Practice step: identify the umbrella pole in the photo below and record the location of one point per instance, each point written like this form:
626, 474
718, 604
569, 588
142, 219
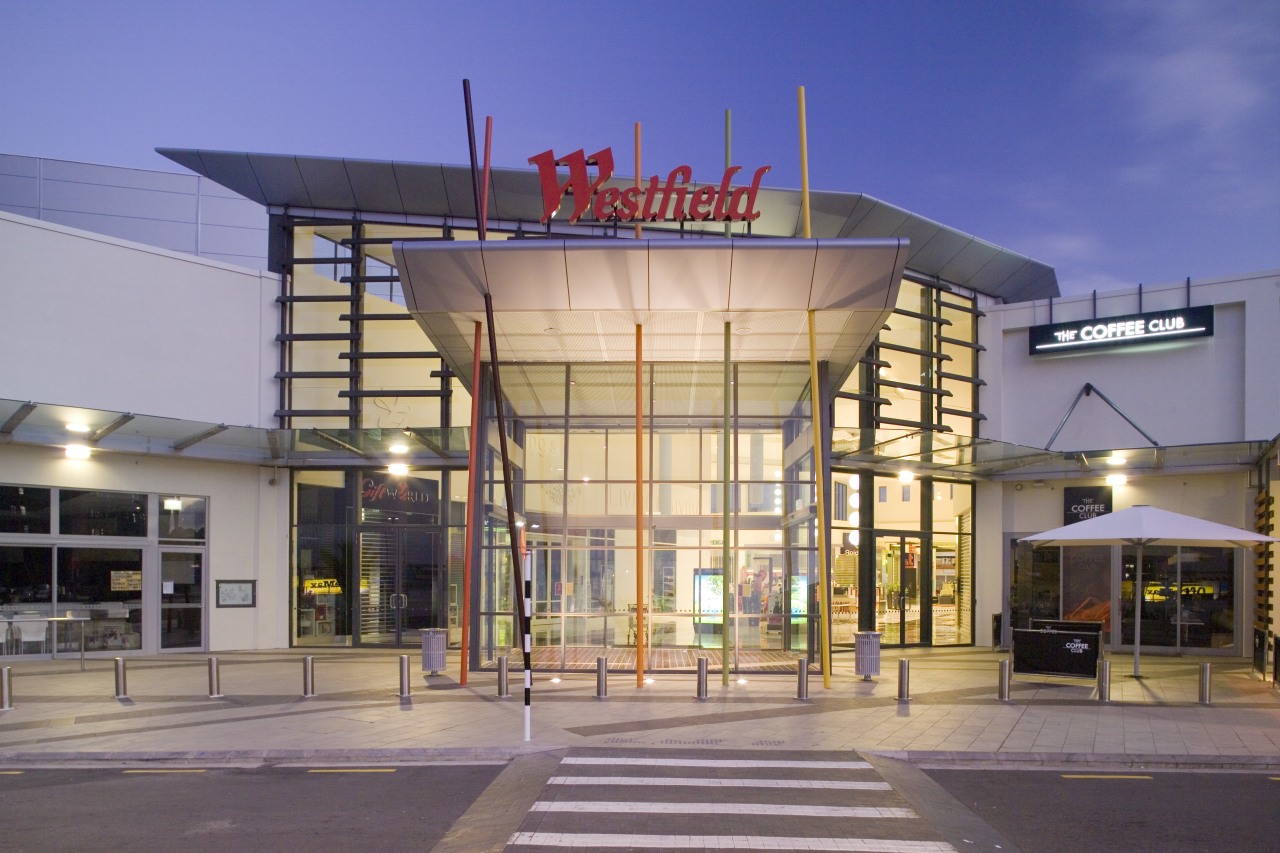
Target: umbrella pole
1137, 616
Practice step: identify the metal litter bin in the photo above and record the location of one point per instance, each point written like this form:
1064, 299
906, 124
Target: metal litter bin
866, 654
434, 643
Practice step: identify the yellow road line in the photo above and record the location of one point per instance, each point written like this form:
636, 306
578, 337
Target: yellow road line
11, 772
1102, 776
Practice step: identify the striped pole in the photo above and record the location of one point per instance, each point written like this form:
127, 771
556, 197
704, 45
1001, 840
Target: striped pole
528, 649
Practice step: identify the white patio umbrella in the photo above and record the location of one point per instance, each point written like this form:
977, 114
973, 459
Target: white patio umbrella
1144, 525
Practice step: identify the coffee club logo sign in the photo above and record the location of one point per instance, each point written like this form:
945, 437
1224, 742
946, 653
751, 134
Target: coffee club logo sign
672, 200
1151, 327
1084, 502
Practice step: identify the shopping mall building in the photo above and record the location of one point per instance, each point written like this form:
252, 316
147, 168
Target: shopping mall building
250, 405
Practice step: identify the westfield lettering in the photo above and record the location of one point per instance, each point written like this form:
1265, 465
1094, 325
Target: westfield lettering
673, 200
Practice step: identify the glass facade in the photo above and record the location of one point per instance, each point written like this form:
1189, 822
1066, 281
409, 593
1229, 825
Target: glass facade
129, 565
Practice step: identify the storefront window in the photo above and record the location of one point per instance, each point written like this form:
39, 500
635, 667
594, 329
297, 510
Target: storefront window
1188, 597
182, 518
87, 513
24, 509
104, 584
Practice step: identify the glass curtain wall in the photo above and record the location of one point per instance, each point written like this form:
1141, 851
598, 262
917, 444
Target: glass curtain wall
573, 444
907, 537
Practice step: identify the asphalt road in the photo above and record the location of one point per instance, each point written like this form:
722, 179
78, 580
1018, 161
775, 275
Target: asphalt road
304, 809
1044, 811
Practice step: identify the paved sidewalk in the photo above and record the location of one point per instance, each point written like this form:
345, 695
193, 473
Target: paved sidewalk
63, 715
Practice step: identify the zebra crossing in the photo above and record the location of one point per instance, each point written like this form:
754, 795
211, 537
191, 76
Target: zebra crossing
664, 800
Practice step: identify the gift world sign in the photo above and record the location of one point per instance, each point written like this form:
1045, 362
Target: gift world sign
1130, 329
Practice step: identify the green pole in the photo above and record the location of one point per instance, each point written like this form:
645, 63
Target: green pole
727, 569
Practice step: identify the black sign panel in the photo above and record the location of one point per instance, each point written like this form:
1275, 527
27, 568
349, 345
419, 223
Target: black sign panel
1083, 502
1070, 653
402, 498
1146, 328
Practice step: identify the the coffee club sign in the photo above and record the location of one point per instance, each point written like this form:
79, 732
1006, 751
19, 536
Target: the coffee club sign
1151, 327
672, 200
1080, 503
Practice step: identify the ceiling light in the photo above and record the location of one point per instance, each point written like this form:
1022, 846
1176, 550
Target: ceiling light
905, 476
534, 526
399, 448
77, 451
397, 469
1116, 479
173, 504
853, 537
551, 330
855, 481
77, 427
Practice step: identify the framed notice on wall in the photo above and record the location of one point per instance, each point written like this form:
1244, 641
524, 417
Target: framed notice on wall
237, 593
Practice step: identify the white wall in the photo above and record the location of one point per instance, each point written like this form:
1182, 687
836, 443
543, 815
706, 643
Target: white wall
94, 322
1203, 391
247, 526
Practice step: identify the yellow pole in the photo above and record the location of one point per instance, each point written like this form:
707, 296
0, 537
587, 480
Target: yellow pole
819, 476
804, 169
640, 596
728, 157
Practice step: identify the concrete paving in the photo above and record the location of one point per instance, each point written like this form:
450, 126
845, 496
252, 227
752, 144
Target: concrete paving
63, 715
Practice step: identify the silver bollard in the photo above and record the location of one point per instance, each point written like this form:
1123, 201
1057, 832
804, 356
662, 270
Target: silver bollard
504, 690
1206, 684
6, 689
702, 679
1104, 681
308, 677
122, 684
602, 677
215, 681
1003, 689
802, 678
904, 680
404, 677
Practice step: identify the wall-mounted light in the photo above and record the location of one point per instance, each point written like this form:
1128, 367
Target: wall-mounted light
78, 451
397, 469
1116, 459
1116, 479
81, 428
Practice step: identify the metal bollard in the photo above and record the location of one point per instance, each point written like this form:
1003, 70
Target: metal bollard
308, 677
504, 689
1206, 684
122, 684
1003, 689
602, 677
802, 678
404, 677
215, 682
6, 689
1104, 681
702, 679
904, 680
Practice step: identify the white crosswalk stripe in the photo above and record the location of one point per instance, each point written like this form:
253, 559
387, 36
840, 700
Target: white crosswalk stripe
634, 800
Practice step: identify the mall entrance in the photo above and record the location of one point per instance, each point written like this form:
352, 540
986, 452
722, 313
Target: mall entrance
403, 584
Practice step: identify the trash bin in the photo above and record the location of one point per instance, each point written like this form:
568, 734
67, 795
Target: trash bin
434, 643
866, 654
997, 630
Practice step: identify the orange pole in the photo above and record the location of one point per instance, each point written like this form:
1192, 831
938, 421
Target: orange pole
640, 597
637, 172
468, 559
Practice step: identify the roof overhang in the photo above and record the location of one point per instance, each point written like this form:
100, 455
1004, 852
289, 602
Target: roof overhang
580, 301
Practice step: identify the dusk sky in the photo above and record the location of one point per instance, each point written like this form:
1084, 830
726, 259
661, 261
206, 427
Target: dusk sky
1120, 141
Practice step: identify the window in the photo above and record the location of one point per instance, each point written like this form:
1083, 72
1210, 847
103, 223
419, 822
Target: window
884, 494
24, 509
85, 513
906, 494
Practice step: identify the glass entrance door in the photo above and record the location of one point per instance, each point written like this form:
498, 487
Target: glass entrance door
403, 585
181, 599
898, 589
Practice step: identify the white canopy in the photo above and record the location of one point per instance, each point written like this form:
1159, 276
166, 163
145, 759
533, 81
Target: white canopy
1148, 525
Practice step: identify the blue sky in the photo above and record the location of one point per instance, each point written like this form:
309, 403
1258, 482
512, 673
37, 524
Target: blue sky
1121, 141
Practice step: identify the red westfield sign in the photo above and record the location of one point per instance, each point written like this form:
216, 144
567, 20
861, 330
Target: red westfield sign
673, 200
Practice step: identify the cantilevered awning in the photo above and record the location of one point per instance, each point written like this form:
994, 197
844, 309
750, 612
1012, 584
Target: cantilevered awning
579, 301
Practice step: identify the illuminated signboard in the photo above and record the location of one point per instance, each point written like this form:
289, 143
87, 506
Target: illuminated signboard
676, 199
1151, 327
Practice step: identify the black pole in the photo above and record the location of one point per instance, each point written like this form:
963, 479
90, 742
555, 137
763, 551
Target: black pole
475, 169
